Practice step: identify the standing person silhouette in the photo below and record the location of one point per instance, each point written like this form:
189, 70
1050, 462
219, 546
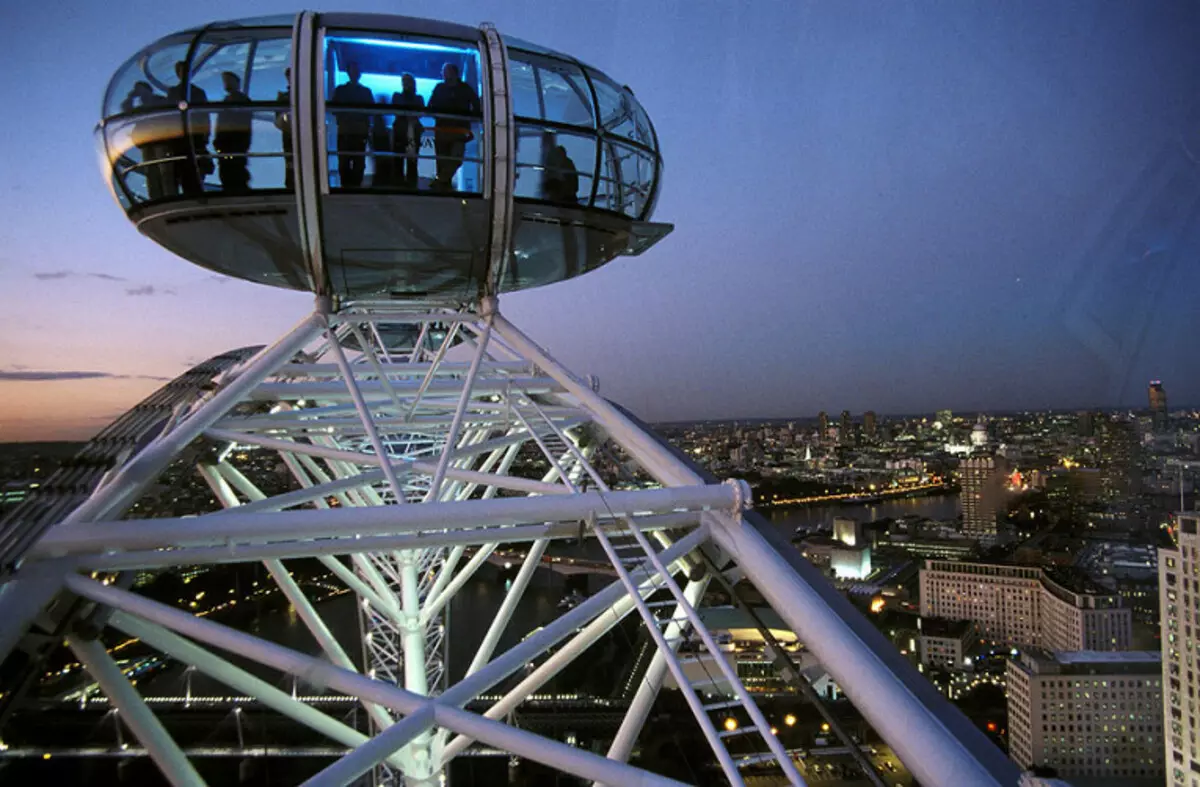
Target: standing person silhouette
451, 135
407, 131
187, 178
353, 128
152, 137
283, 122
232, 138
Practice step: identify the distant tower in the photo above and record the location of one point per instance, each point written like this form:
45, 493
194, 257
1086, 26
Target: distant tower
982, 485
1087, 425
1158, 405
822, 425
1119, 450
844, 429
979, 436
869, 425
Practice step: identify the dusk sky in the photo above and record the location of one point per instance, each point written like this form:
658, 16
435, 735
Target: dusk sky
878, 205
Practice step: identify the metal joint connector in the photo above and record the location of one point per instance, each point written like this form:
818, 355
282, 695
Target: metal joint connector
743, 496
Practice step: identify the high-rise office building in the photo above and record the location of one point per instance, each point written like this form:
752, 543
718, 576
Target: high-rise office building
822, 425
1119, 450
1158, 405
1179, 622
982, 495
844, 431
1021, 605
1087, 714
870, 426
1087, 425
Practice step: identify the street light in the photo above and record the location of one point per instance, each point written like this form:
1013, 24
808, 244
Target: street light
731, 724
789, 720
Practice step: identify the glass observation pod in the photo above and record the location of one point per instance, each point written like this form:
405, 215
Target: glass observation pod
370, 156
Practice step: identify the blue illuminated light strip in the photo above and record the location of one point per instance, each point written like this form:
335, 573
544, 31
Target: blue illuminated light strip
407, 45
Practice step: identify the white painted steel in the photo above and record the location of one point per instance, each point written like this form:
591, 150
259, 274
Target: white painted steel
526, 744
133, 711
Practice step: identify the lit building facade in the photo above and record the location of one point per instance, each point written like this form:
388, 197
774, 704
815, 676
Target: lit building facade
1021, 605
1179, 607
1087, 714
945, 644
1158, 405
982, 479
848, 530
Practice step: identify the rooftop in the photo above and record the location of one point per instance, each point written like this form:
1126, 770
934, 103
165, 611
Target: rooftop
1090, 662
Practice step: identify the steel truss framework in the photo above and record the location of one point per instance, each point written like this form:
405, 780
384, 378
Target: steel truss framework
420, 441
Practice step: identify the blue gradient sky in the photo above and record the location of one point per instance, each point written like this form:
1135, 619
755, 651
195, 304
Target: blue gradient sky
888, 206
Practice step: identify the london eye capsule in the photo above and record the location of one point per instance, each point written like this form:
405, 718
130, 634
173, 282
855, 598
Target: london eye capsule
366, 156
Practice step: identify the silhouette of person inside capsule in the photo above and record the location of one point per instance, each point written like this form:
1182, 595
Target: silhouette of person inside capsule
187, 177
451, 134
560, 178
407, 131
232, 138
153, 138
283, 122
353, 128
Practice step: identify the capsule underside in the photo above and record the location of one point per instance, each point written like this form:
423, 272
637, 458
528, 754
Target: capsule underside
339, 153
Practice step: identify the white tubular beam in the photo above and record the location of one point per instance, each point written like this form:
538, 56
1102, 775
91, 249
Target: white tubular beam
689, 696
438, 357
919, 738
520, 742
345, 770
238, 679
311, 494
532, 559
133, 478
656, 671
375, 365
483, 537
604, 609
726, 669
468, 385
446, 572
412, 369
930, 750
415, 465
651, 455
234, 526
520, 654
413, 625
434, 604
174, 766
360, 404
316, 626
360, 587
273, 392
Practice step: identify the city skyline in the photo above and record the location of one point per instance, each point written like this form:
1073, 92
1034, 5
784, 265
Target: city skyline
874, 218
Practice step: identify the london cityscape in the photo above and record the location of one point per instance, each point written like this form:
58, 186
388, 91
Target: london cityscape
861, 449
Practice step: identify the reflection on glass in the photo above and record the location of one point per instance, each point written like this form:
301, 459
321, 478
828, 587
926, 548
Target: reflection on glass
554, 166
626, 180
248, 153
155, 65
620, 113
549, 89
146, 153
